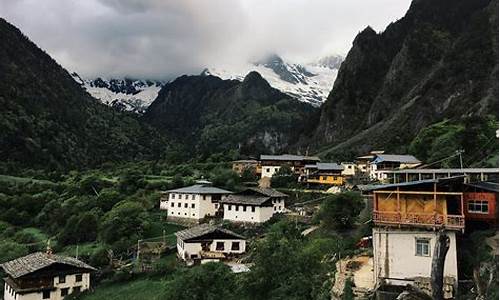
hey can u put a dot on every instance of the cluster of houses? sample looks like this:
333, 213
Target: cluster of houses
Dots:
411, 206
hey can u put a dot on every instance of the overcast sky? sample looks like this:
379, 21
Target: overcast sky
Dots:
165, 38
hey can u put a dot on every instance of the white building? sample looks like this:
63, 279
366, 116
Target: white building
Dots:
193, 202
349, 169
45, 276
253, 205
402, 256
208, 243
383, 164
272, 163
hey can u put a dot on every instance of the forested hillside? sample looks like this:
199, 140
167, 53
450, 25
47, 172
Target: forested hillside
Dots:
48, 121
207, 116
439, 62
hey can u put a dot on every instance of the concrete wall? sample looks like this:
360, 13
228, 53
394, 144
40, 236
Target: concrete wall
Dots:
394, 255
261, 214
55, 294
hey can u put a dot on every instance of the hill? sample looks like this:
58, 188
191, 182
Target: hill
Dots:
438, 63
48, 121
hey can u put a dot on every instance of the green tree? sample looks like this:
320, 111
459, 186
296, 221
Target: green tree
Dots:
126, 220
211, 281
284, 177
340, 211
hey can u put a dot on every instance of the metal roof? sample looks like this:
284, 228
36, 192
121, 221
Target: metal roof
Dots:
39, 260
326, 166
409, 159
457, 170
288, 157
485, 185
203, 229
199, 189
372, 187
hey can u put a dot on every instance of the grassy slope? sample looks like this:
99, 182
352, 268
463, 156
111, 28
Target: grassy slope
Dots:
146, 288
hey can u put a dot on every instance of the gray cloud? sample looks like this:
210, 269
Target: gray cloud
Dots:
166, 38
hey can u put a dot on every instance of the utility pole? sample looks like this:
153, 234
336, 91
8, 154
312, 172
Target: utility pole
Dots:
459, 153
77, 251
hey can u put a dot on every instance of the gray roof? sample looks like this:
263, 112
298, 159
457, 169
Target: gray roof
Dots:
409, 159
372, 187
326, 166
246, 199
485, 185
266, 192
203, 229
199, 189
39, 260
457, 170
288, 157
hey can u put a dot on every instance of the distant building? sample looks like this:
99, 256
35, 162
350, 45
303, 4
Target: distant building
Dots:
363, 162
193, 203
406, 219
45, 276
469, 174
349, 169
204, 243
253, 205
272, 163
239, 166
324, 174
382, 163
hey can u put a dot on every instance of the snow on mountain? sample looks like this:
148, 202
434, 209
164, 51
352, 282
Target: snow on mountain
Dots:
310, 83
124, 94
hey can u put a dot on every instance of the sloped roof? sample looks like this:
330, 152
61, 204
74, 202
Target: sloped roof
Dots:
202, 229
409, 159
246, 199
329, 166
266, 192
485, 185
373, 187
39, 260
288, 157
199, 189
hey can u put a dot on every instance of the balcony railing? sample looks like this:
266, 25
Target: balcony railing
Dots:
419, 219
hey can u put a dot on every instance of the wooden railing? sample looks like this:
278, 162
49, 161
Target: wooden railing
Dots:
418, 219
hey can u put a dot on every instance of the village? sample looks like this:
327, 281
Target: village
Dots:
413, 210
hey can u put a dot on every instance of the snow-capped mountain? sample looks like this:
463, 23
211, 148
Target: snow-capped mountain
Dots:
124, 94
309, 83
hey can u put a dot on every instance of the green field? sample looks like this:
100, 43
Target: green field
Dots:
138, 289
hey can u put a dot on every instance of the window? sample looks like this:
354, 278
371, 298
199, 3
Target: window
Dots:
477, 206
244, 208
173, 196
324, 177
187, 197
235, 246
179, 204
268, 170
236, 207
64, 292
229, 207
219, 246
423, 247
78, 277
76, 289
172, 204
274, 208
192, 197
62, 278
185, 205
204, 197
46, 295
192, 205
253, 208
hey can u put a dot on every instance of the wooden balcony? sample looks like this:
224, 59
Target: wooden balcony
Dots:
453, 222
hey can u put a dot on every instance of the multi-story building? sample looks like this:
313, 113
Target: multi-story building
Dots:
45, 276
469, 174
272, 163
239, 166
253, 205
363, 162
193, 203
324, 174
407, 218
382, 164
481, 204
349, 169
208, 243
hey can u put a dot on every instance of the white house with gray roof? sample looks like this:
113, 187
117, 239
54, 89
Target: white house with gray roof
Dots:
383, 164
272, 163
253, 205
206, 243
45, 276
193, 203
